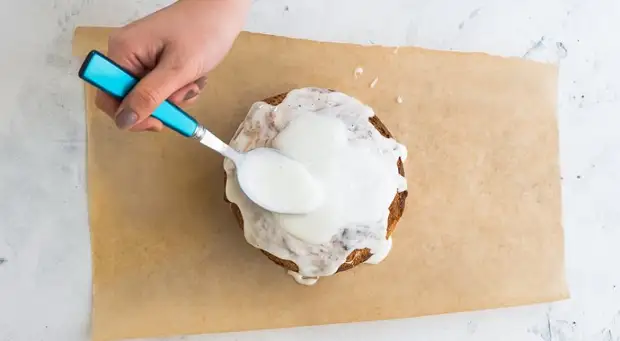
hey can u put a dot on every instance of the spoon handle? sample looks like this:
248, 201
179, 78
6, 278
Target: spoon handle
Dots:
209, 139
104, 74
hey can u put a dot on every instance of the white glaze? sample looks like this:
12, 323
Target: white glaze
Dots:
359, 182
379, 254
265, 126
278, 183
358, 71
303, 280
374, 82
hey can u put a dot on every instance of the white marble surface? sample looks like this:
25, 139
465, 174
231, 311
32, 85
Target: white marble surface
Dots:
44, 239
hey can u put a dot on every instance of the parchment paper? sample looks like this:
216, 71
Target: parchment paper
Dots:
482, 228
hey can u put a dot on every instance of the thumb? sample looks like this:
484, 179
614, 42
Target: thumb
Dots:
149, 93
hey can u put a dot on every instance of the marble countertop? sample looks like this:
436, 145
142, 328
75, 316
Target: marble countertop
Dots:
44, 239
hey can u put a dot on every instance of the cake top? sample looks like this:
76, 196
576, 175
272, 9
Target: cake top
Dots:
356, 167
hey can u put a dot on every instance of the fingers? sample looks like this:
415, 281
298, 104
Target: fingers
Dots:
165, 75
186, 95
149, 93
189, 93
106, 103
120, 51
149, 124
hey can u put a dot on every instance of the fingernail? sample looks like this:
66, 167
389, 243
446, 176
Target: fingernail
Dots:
189, 95
201, 82
126, 118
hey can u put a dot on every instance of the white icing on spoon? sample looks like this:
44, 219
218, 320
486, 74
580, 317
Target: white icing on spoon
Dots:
269, 178
278, 183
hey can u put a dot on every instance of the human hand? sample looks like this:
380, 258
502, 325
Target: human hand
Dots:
172, 51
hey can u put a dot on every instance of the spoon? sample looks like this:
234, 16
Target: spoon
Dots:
267, 177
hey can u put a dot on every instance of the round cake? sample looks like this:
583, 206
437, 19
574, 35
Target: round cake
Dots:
364, 203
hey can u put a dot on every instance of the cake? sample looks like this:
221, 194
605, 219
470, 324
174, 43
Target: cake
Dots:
302, 253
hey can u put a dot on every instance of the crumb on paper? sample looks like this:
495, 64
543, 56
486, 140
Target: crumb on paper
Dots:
358, 71
374, 82
399, 100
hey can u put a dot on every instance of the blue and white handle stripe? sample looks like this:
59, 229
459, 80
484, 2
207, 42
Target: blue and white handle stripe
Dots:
99, 71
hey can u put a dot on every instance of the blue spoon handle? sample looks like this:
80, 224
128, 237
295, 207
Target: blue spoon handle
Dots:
99, 71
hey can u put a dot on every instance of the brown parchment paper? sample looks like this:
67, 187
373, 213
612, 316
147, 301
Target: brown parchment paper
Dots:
482, 228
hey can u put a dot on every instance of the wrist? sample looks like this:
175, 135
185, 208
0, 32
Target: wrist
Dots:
236, 4
234, 8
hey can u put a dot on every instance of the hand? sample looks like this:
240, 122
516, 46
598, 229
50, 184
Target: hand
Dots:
172, 50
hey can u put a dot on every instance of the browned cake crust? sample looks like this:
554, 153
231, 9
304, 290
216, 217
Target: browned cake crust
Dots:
359, 256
